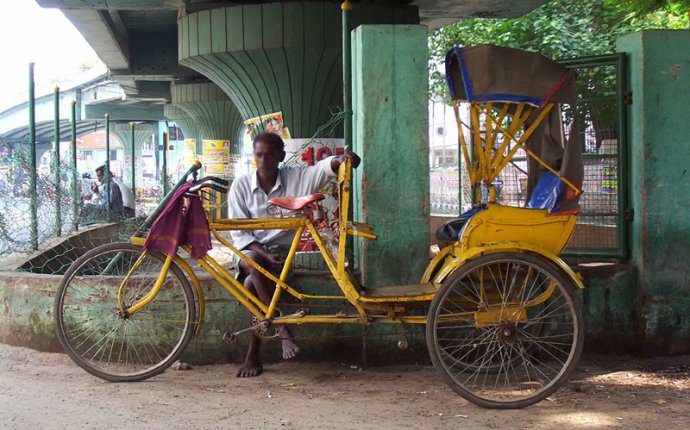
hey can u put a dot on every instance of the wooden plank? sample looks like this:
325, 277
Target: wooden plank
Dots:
272, 27
253, 34
204, 31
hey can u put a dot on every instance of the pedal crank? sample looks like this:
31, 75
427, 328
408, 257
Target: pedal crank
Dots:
231, 338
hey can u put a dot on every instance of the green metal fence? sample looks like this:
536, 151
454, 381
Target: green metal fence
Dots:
602, 227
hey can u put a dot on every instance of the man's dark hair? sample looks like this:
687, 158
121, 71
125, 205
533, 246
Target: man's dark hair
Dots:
101, 169
271, 139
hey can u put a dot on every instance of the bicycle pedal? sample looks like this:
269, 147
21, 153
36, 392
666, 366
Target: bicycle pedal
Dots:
230, 338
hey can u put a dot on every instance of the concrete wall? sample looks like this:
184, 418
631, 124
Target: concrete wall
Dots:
659, 130
389, 89
26, 319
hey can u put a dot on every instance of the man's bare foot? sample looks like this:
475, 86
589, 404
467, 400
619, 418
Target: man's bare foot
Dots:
290, 349
250, 369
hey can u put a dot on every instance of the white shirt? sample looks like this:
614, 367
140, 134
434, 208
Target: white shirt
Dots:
248, 200
127, 196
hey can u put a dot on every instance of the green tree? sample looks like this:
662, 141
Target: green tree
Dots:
557, 29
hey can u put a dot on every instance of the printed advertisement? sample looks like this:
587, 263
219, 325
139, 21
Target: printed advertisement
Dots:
190, 155
216, 156
270, 123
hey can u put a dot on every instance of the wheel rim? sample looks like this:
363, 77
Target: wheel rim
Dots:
103, 339
506, 331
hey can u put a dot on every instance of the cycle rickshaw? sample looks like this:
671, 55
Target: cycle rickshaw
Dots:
503, 325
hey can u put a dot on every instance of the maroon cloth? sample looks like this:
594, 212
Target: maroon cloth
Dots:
179, 225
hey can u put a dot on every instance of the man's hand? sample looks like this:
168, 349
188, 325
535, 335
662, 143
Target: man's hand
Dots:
273, 260
337, 161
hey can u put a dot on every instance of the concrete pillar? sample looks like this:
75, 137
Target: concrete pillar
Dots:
389, 88
183, 120
659, 138
211, 110
278, 56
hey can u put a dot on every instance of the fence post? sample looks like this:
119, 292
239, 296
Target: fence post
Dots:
134, 193
346, 7
166, 140
32, 160
76, 193
106, 173
56, 158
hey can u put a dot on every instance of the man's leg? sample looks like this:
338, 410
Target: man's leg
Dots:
252, 363
263, 287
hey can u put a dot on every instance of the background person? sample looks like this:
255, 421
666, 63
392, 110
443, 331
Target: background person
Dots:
116, 204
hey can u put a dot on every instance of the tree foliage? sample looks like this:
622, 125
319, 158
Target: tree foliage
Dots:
558, 29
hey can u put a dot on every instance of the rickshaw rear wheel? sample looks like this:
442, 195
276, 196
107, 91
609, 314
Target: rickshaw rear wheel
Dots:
505, 330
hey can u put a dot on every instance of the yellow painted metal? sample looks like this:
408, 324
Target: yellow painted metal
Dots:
258, 223
120, 304
463, 146
253, 263
234, 288
361, 229
345, 180
192, 277
496, 315
199, 291
498, 223
341, 277
433, 264
284, 272
154, 291
459, 256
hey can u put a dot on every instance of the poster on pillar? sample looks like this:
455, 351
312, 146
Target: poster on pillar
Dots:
216, 157
190, 155
269, 123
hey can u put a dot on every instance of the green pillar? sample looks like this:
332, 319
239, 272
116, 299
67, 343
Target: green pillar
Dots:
279, 56
389, 68
659, 79
185, 122
210, 109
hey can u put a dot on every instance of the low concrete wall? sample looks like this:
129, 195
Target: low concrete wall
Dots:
26, 319
611, 307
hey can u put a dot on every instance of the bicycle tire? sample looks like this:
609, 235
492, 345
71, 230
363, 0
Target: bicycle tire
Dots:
521, 351
86, 307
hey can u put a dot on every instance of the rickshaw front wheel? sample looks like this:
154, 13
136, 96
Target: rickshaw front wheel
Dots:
505, 330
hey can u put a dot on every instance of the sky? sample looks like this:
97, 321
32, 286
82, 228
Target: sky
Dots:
60, 53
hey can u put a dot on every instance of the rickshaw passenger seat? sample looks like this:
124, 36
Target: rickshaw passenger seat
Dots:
450, 230
546, 193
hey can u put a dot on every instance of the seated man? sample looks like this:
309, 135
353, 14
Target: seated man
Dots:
116, 204
248, 198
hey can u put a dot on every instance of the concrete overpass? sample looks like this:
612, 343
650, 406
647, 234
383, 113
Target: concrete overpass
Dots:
264, 56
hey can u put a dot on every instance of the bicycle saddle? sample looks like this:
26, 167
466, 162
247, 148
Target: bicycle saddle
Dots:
294, 203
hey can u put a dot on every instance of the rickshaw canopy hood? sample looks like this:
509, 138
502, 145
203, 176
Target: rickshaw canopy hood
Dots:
497, 75
488, 73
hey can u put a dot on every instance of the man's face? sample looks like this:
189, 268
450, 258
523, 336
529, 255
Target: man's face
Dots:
267, 157
99, 176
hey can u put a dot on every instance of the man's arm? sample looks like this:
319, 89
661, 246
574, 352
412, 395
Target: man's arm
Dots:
339, 159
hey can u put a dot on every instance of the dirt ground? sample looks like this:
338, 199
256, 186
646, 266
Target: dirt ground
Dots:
48, 391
